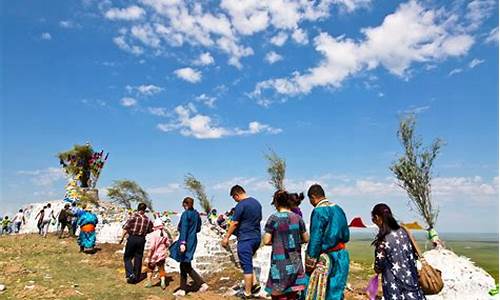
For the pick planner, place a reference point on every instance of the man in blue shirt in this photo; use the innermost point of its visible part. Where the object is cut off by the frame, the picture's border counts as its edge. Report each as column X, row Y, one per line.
column 245, row 225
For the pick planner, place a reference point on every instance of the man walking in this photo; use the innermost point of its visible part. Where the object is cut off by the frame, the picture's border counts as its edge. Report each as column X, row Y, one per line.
column 64, row 219
column 329, row 233
column 136, row 227
column 245, row 224
column 48, row 216
column 18, row 221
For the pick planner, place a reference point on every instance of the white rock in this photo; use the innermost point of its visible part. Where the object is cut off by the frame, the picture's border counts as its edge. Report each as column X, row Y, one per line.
column 462, row 279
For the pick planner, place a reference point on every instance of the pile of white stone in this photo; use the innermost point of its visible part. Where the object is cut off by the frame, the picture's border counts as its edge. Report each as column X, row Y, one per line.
column 108, row 229
column 462, row 279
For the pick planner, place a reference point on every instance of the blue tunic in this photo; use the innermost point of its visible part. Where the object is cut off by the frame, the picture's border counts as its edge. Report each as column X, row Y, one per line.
column 87, row 239
column 328, row 228
column 189, row 226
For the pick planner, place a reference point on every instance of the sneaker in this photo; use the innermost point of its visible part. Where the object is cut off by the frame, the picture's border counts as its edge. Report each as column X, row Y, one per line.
column 131, row 279
column 243, row 295
column 256, row 289
column 180, row 293
column 203, row 288
column 163, row 284
column 148, row 285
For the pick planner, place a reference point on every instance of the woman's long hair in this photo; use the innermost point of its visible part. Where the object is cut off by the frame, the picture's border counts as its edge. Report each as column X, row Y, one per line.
column 388, row 222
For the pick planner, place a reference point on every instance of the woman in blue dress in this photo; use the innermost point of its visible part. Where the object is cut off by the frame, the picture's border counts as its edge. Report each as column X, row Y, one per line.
column 87, row 237
column 184, row 248
column 395, row 257
column 327, row 260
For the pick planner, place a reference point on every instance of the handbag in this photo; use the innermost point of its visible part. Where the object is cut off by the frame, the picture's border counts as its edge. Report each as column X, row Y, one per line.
column 429, row 278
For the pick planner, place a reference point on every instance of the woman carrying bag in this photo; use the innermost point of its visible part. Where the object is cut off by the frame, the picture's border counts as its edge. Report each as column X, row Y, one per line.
column 395, row 257
column 183, row 249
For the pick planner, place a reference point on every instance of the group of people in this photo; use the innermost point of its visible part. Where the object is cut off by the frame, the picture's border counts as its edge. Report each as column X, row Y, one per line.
column 8, row 226
column 320, row 275
column 72, row 218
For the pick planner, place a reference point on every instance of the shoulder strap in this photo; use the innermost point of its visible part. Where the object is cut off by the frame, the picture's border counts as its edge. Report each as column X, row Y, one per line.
column 413, row 242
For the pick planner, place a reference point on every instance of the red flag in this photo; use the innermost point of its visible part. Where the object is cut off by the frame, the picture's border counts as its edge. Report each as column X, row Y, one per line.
column 357, row 222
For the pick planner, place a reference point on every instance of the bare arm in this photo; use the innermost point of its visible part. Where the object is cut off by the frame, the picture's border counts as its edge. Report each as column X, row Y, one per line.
column 124, row 233
column 232, row 228
column 305, row 237
column 267, row 239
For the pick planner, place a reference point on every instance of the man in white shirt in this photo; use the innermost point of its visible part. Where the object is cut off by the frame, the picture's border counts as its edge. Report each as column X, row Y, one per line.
column 48, row 216
column 18, row 220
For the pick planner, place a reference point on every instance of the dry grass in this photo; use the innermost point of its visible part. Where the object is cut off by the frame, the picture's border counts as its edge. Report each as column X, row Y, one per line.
column 35, row 268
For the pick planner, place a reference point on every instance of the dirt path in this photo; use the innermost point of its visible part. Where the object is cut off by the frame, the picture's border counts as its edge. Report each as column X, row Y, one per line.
column 35, row 268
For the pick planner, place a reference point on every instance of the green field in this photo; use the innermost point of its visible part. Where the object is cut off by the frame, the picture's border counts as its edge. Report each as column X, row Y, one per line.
column 480, row 248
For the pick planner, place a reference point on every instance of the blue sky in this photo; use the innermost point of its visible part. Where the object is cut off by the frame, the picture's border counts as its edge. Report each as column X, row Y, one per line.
column 171, row 87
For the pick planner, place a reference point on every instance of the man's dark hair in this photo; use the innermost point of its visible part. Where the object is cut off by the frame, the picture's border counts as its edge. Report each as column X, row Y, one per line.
column 237, row 189
column 48, row 204
column 20, row 210
column 316, row 191
column 73, row 204
column 142, row 207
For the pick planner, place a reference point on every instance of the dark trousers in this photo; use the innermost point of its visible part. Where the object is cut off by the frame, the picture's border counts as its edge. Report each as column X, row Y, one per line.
column 134, row 250
column 64, row 224
column 74, row 226
column 187, row 269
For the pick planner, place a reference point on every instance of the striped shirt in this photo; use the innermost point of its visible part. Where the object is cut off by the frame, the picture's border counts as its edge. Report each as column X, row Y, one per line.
column 138, row 224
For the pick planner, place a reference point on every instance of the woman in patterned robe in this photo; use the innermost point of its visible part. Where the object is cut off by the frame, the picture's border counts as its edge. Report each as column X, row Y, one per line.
column 87, row 237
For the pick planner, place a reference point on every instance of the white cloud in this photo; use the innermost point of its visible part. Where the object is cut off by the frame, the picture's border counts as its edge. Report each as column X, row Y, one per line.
column 300, row 36
column 122, row 44
column 417, row 109
column 163, row 190
column 279, row 39
column 492, row 36
column 475, row 187
column 44, row 177
column 145, row 89
column 158, row 111
column 204, row 59
column 46, row 36
column 391, row 45
column 478, row 11
column 273, row 57
column 188, row 74
column 146, row 35
column 207, row 100
column 128, row 14
column 201, row 24
column 192, row 124
column 251, row 184
column 67, row 24
column 443, row 188
column 256, row 127
column 475, row 62
column 455, row 71
column 128, row 101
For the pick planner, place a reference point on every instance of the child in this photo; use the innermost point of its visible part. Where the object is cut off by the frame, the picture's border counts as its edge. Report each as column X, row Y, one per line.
column 159, row 243
column 286, row 232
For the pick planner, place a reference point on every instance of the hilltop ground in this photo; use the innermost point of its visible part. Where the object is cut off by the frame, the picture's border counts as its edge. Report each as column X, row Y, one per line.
column 36, row 268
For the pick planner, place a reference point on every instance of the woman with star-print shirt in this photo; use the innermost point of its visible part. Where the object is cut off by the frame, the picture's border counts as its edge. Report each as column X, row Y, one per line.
column 395, row 257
